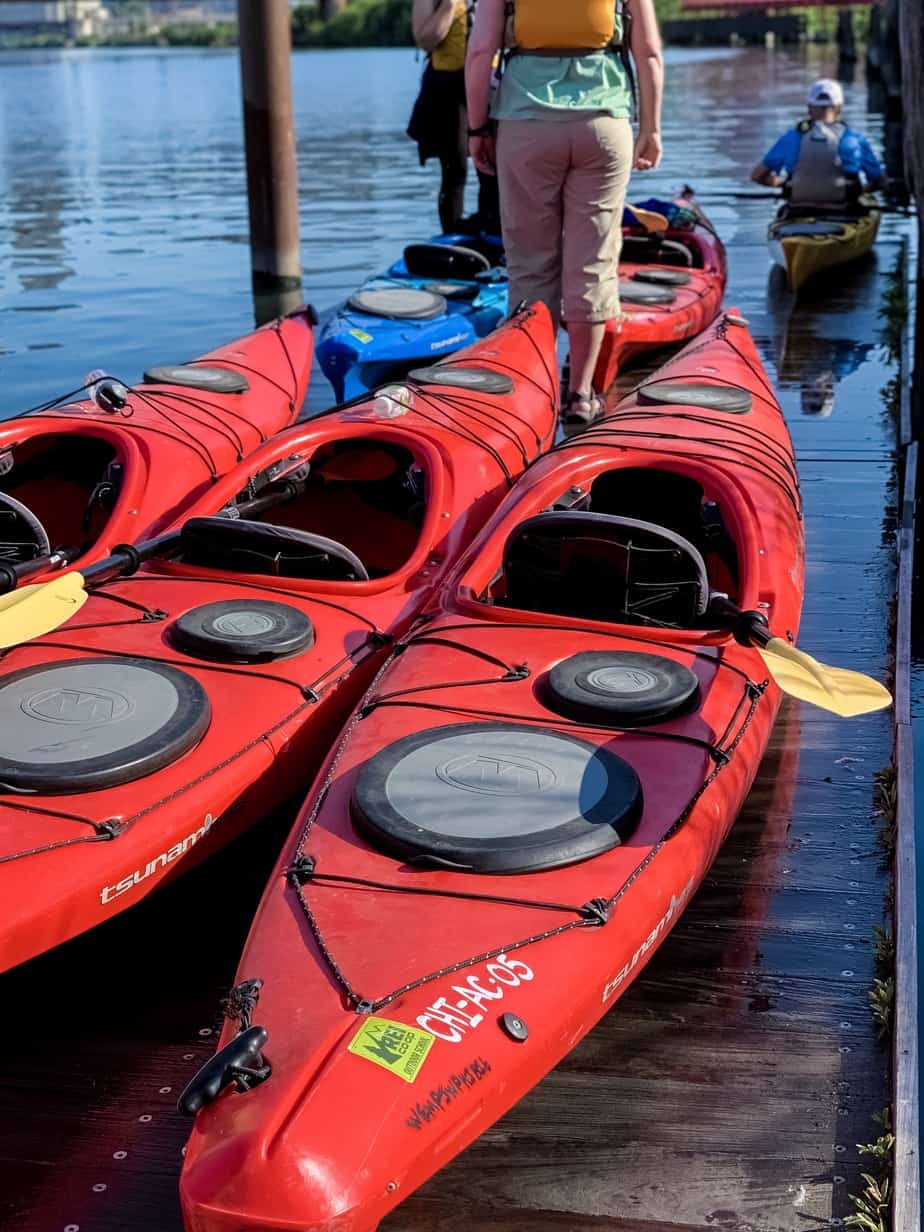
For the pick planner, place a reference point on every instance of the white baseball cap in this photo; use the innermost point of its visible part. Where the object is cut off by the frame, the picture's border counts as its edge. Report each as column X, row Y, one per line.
column 826, row 93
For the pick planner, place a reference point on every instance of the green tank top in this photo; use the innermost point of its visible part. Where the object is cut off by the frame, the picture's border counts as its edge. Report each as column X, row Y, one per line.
column 556, row 87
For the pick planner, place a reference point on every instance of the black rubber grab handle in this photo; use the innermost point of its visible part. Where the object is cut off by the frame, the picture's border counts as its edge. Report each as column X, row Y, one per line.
column 240, row 1061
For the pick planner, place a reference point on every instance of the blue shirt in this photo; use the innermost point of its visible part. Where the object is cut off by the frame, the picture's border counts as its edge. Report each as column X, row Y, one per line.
column 854, row 151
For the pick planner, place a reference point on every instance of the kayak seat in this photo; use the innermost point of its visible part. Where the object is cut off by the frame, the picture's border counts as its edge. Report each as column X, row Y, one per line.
column 70, row 484
column 676, row 502
column 442, row 261
column 398, row 303
column 22, row 535
column 655, row 250
column 240, row 546
column 495, row 798
column 366, row 494
column 596, row 566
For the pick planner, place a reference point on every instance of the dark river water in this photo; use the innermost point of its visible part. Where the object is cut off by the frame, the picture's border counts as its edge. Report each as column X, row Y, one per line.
column 123, row 216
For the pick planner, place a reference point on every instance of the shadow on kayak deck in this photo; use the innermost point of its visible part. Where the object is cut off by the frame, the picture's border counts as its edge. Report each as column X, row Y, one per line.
column 729, row 1085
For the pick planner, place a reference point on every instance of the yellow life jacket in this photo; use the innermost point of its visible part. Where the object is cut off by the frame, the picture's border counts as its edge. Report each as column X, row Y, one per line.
column 565, row 25
column 449, row 57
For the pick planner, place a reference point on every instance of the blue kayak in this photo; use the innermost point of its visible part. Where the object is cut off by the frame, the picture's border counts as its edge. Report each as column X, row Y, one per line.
column 437, row 298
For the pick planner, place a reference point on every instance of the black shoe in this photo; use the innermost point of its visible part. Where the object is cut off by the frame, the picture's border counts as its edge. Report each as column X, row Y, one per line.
column 579, row 411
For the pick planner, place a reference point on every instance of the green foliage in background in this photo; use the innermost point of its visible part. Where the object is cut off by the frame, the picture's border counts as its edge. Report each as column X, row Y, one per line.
column 363, row 23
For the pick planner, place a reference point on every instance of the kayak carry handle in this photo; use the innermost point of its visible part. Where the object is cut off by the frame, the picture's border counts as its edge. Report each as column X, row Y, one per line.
column 241, row 1061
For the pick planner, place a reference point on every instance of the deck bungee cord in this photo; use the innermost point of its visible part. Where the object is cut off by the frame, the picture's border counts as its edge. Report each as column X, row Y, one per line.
column 596, row 912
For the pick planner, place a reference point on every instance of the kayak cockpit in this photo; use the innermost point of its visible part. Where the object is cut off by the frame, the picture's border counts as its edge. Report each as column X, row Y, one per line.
column 57, row 490
column 356, row 514
column 639, row 546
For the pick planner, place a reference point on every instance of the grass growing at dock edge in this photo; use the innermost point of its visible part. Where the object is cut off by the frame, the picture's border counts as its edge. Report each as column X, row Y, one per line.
column 874, row 1204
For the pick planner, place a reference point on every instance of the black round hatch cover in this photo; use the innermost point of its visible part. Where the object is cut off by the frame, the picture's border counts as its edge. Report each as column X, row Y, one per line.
column 243, row 631
column 619, row 688
column 495, row 798
column 198, row 376
column 729, row 398
column 90, row 723
column 398, row 303
column 482, row 380
column 662, row 277
column 637, row 293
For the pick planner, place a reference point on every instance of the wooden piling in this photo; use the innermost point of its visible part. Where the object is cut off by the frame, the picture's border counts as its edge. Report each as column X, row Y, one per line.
column 269, row 136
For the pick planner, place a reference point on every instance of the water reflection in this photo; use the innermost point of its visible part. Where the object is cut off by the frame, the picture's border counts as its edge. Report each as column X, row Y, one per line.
column 814, row 335
column 123, row 228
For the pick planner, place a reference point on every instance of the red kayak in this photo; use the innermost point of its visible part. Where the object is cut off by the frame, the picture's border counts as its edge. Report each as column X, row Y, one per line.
column 184, row 702
column 517, row 813
column 76, row 480
column 671, row 287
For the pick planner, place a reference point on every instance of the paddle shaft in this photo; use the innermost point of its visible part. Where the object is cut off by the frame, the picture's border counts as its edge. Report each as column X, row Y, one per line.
column 901, row 210
column 749, row 628
column 127, row 556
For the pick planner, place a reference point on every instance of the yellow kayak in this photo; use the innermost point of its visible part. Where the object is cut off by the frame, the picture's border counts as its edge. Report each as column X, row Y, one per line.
column 806, row 246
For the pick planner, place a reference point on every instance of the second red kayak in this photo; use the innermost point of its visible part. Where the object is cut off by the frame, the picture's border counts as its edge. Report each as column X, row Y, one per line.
column 671, row 287
column 518, row 812
column 76, row 480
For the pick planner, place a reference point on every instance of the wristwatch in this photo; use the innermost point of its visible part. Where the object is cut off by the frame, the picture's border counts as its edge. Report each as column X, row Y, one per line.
column 486, row 130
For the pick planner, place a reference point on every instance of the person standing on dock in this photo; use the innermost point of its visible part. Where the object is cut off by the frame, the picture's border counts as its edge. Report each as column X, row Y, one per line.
column 558, row 136
column 822, row 163
column 438, row 122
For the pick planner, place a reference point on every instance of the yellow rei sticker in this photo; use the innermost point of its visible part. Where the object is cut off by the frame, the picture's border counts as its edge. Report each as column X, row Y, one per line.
column 361, row 335
column 400, row 1049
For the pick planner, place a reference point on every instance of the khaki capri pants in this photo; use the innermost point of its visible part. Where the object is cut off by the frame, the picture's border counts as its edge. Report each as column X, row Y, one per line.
column 562, row 188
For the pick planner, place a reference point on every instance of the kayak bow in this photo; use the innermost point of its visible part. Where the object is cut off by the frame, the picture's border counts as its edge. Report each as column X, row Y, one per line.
column 77, row 480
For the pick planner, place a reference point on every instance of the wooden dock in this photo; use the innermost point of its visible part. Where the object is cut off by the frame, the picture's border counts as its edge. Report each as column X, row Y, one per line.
column 727, row 1089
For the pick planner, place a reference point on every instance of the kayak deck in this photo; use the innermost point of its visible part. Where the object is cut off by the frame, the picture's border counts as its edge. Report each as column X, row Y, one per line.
column 807, row 247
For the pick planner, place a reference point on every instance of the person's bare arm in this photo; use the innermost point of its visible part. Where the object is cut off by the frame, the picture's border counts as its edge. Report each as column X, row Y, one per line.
column 763, row 175
column 645, row 46
column 431, row 21
column 487, row 38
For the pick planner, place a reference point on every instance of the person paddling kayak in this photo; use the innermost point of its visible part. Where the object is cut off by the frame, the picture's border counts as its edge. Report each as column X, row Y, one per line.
column 823, row 163
column 563, row 152
column 438, row 121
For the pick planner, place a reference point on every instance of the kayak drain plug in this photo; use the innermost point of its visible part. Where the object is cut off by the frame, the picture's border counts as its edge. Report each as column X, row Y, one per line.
column 515, row 1027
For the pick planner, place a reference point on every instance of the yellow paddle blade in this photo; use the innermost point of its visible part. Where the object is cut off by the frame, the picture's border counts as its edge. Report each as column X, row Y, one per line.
column 33, row 610
column 832, row 688
column 648, row 219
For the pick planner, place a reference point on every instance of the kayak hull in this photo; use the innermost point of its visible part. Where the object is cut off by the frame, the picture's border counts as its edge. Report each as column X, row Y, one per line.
column 72, row 856
column 164, row 451
column 644, row 327
column 409, row 1004
column 805, row 256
